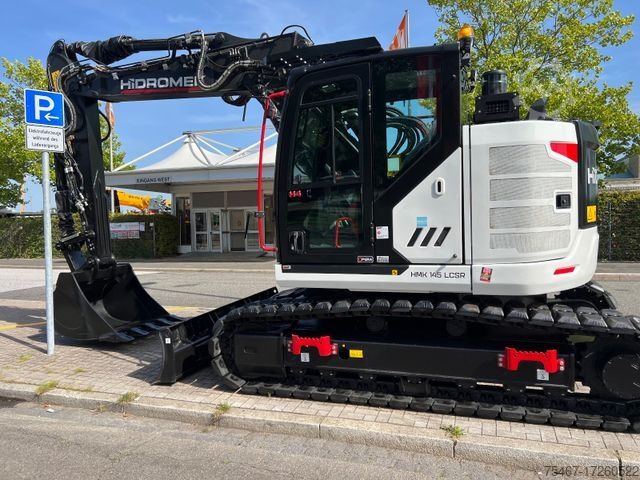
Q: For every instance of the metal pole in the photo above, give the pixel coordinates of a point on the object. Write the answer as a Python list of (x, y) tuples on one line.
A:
[(113, 203), (406, 12), (610, 253), (48, 253)]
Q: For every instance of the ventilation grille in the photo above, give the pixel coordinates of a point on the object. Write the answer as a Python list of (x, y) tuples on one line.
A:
[(528, 188), (519, 159), (532, 242), (500, 106), (527, 217)]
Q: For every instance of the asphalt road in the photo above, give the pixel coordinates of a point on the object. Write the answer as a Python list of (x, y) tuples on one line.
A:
[(73, 444), (170, 288), (213, 289)]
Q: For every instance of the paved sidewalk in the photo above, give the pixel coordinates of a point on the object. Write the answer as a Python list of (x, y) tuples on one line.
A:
[(105, 373)]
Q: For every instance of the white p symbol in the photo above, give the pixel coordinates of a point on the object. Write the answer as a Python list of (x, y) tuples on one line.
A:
[(42, 104)]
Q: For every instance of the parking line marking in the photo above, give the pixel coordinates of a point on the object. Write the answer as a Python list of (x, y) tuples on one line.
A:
[(13, 326)]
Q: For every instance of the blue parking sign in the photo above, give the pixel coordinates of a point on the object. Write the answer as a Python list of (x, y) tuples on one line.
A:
[(43, 108)]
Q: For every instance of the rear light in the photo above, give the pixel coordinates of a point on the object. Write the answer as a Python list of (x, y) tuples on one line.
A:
[(569, 150), (561, 270)]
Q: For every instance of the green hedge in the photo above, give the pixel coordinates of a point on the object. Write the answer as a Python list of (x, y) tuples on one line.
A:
[(619, 225), (164, 229), (21, 237)]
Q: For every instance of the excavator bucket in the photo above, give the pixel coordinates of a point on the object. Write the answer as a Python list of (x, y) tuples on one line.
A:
[(112, 307), (185, 345)]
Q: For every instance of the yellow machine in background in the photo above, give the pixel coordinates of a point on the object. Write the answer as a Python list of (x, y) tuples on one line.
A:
[(144, 203)]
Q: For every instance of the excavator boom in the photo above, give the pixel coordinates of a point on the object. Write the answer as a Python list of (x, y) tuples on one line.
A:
[(100, 299)]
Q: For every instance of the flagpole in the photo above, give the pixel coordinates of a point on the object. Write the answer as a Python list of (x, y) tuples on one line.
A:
[(406, 12)]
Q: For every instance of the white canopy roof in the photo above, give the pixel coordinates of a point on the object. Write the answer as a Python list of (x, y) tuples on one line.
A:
[(194, 163)]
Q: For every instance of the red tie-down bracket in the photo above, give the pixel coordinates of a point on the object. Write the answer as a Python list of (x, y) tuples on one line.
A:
[(323, 344), (512, 357)]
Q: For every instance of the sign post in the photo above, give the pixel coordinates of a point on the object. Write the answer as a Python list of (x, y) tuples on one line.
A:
[(44, 119)]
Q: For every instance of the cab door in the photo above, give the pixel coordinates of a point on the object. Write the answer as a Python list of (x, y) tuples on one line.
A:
[(324, 191)]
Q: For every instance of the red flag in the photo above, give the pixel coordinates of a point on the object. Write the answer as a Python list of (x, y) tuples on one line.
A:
[(110, 115), (401, 38)]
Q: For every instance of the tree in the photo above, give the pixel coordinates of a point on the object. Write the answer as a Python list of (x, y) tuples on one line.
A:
[(553, 49), (16, 161)]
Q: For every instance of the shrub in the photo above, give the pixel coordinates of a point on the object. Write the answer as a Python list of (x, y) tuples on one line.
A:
[(21, 237), (619, 225), (159, 238)]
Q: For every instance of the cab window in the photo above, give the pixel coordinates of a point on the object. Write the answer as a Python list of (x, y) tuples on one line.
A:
[(410, 87), (327, 143)]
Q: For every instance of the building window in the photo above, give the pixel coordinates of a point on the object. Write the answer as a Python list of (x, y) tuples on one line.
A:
[(183, 212)]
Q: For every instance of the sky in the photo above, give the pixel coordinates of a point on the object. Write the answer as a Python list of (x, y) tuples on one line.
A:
[(29, 28)]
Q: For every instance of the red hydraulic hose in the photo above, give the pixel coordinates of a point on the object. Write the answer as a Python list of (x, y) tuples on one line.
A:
[(261, 230)]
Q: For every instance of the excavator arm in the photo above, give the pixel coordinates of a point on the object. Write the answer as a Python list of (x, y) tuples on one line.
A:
[(195, 65), (191, 65)]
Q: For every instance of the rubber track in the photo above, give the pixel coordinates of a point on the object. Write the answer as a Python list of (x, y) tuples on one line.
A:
[(571, 409)]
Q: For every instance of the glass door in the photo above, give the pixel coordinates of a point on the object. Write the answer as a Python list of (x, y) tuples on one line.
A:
[(251, 226), (200, 231), (215, 230), (325, 210), (243, 230)]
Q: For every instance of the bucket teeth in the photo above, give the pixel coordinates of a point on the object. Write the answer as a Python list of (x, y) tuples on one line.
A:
[(164, 321), (139, 331), (116, 337)]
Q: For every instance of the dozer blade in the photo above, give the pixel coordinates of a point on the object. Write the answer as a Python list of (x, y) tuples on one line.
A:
[(185, 345), (110, 307)]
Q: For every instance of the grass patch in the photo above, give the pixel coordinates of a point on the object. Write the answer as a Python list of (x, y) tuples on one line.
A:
[(220, 410), (25, 357), (78, 370), (454, 431), (127, 397), (7, 380), (101, 408), (46, 386), (76, 389)]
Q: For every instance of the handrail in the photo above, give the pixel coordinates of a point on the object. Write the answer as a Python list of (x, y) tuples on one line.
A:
[(260, 212)]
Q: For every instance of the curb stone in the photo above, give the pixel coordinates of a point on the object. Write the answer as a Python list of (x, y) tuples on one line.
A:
[(18, 391), (521, 454), (629, 464), (398, 437), (616, 277), (536, 456), (272, 422)]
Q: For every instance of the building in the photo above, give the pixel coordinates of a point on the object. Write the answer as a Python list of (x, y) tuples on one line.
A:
[(627, 180), (214, 194)]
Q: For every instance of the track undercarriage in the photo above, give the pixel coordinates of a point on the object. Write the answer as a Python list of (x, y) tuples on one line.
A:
[(530, 359)]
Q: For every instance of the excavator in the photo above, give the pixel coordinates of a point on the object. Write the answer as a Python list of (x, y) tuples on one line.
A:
[(423, 262), (144, 203)]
